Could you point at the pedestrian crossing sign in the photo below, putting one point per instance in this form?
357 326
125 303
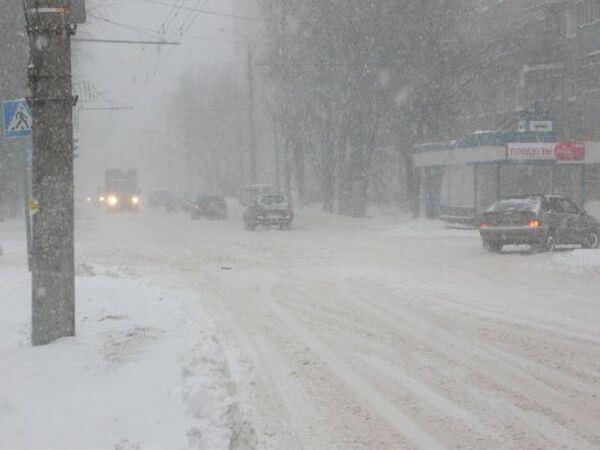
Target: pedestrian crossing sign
18 120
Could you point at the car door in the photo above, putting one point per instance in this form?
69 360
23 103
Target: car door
553 217
571 233
578 222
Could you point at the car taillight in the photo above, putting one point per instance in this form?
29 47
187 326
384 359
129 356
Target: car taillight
484 225
534 223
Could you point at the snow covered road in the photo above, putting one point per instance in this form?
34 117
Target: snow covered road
369 334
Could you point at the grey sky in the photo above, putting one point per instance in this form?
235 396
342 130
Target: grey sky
141 77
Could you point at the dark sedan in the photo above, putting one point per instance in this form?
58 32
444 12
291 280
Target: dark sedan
541 221
208 206
269 210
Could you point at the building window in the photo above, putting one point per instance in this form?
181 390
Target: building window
553 21
571 23
590 78
588 12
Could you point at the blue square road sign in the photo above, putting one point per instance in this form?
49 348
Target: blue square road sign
18 120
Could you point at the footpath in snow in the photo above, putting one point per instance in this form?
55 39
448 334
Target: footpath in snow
145 370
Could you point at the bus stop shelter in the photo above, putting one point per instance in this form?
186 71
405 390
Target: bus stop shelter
459 182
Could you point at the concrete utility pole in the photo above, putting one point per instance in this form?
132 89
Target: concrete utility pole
50 29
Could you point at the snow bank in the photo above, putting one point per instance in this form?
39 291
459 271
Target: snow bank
580 261
144 372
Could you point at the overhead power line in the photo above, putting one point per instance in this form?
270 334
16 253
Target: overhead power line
124 41
204 11
107 108
136 29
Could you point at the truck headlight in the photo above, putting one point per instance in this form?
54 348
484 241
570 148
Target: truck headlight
113 201
135 200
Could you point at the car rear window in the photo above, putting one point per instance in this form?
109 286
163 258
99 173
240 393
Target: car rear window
517 204
272 199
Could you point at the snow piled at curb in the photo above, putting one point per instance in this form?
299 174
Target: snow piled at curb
580 261
145 371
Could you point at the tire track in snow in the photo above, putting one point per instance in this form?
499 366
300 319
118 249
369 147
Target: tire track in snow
303 414
367 395
304 430
402 422
451 420
513 379
530 419
436 305
399 376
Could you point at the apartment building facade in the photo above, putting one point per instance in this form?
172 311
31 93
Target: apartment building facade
546 61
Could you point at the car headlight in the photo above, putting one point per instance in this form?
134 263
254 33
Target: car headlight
102 199
113 201
135 200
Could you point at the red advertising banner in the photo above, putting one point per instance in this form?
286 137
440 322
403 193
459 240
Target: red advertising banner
570 151
563 152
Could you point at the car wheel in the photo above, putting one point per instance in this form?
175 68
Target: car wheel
494 247
548 245
592 240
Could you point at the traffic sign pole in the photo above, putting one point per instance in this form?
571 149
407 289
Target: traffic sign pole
53 269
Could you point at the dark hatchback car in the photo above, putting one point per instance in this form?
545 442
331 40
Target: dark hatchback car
542 222
269 210
209 207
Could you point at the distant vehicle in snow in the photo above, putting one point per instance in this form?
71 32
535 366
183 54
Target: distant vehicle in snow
121 190
250 193
209 206
541 221
269 210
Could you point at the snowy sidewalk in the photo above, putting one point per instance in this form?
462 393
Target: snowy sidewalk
144 372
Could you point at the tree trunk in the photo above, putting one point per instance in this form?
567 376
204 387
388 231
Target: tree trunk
328 177
413 185
287 170
277 153
299 169
344 179
360 182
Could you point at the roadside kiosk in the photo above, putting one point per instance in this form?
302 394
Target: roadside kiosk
460 180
